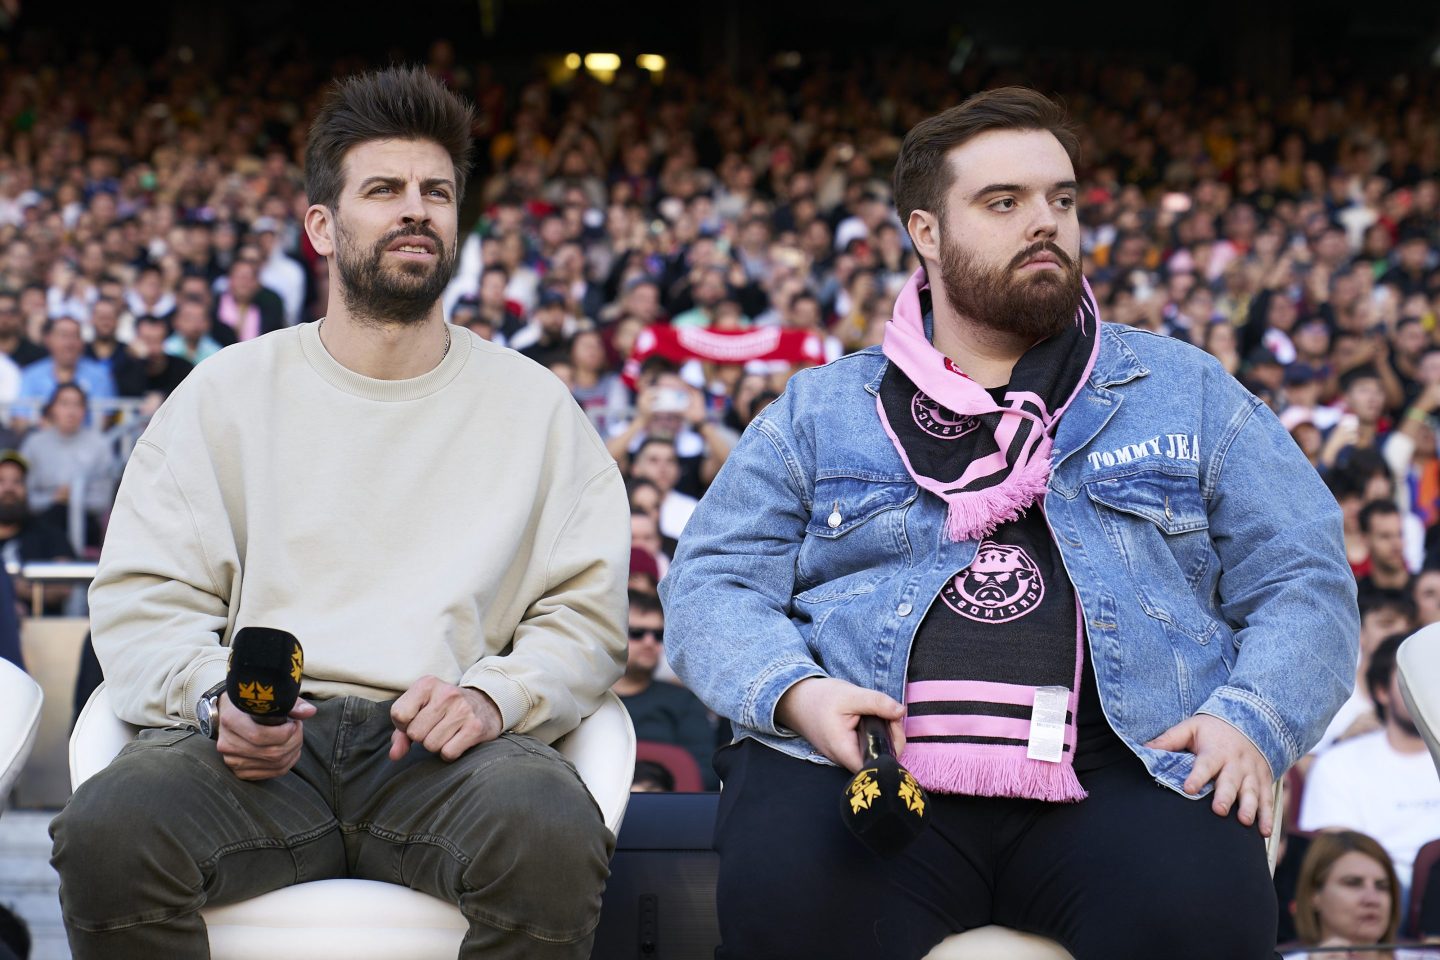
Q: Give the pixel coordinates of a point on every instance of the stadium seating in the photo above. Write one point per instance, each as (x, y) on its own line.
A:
(677, 760)
(363, 919)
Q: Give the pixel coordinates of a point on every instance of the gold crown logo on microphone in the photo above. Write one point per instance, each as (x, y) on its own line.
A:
(257, 697)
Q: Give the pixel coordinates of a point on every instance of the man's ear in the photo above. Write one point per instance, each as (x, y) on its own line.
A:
(320, 228)
(924, 228)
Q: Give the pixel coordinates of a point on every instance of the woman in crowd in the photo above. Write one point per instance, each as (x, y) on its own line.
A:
(1347, 896)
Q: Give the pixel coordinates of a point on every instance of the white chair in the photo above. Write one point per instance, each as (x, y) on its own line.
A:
(20, 702)
(364, 919)
(1000, 943)
(1418, 661)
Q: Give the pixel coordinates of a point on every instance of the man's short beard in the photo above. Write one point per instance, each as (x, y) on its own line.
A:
(14, 511)
(404, 292)
(1032, 306)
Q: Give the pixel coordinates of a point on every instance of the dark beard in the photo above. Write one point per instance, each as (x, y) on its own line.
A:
(13, 512)
(1032, 307)
(403, 294)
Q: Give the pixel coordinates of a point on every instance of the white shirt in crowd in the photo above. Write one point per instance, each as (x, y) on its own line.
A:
(287, 278)
(1367, 785)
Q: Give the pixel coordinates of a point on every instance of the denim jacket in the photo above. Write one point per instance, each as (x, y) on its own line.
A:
(1206, 553)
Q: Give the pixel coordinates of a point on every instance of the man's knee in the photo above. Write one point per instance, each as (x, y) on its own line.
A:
(113, 848)
(539, 850)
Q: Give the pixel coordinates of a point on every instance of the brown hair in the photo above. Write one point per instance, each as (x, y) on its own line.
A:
(1325, 848)
(922, 173)
(400, 103)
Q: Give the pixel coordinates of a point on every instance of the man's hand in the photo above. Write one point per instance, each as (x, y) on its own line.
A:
(1225, 755)
(254, 751)
(443, 718)
(826, 712)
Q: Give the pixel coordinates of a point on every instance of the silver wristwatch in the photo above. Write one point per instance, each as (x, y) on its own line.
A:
(207, 711)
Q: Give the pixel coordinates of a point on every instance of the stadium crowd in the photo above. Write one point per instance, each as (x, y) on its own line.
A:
(673, 247)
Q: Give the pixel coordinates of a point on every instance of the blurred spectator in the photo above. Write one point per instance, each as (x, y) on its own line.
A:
(672, 410)
(656, 461)
(245, 309)
(1382, 783)
(598, 390)
(546, 338)
(1425, 594)
(191, 340)
(65, 364)
(278, 272)
(104, 344)
(663, 712)
(1381, 615)
(650, 777)
(1381, 524)
(13, 342)
(70, 462)
(644, 571)
(27, 538)
(148, 296)
(145, 367)
(1347, 895)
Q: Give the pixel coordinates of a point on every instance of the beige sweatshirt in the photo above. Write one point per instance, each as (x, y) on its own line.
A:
(467, 523)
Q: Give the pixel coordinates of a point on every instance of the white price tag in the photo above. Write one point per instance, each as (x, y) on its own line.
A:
(1047, 724)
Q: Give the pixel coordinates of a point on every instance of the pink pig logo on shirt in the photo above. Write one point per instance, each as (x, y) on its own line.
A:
(937, 421)
(1001, 585)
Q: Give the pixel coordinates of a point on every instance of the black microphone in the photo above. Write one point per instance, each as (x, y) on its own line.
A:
(264, 677)
(882, 805)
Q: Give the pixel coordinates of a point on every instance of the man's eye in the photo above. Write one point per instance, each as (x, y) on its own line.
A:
(1004, 203)
(1065, 202)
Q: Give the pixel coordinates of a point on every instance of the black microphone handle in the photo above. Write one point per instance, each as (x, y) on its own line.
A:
(874, 734)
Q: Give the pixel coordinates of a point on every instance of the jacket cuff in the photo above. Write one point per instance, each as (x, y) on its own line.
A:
(1258, 722)
(510, 697)
(758, 710)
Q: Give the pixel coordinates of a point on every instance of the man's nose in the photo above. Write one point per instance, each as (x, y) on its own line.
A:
(413, 210)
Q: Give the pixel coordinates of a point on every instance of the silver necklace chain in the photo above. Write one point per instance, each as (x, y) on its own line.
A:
(320, 328)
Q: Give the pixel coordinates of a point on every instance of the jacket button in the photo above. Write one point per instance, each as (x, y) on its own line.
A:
(903, 609)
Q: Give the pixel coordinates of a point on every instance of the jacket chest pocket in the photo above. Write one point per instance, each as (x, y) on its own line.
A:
(1157, 523)
(855, 536)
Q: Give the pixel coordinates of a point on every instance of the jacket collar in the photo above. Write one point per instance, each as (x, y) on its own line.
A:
(1117, 363)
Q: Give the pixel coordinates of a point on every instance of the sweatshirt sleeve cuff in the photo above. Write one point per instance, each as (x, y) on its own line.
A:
(202, 677)
(511, 699)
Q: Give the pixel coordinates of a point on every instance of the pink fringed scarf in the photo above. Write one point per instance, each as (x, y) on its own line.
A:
(1003, 643)
(995, 458)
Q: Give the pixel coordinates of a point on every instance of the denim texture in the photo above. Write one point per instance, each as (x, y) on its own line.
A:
(1206, 552)
(508, 832)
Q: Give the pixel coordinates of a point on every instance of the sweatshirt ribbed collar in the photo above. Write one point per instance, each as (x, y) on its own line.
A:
(368, 388)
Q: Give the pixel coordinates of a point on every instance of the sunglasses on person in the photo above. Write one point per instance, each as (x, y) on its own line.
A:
(640, 633)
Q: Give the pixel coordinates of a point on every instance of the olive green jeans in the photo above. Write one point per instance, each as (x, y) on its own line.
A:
(508, 833)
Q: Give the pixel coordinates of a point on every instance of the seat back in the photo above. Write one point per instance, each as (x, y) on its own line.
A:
(677, 760)
(20, 701)
(602, 749)
(1425, 861)
(1418, 661)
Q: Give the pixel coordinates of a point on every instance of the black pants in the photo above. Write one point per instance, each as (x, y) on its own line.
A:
(1134, 871)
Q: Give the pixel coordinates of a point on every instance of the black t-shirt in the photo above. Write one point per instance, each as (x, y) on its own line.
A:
(134, 379)
(38, 541)
(27, 352)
